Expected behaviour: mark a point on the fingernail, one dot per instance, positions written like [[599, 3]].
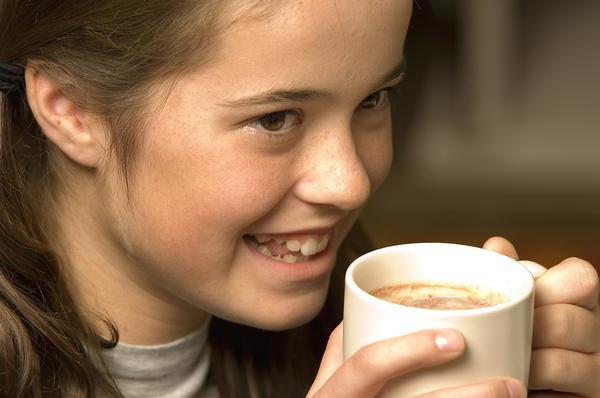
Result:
[[515, 389], [449, 340]]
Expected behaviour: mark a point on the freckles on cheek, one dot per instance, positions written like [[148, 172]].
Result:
[[202, 185], [213, 203], [262, 193]]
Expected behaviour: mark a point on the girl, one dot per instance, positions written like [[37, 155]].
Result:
[[177, 180]]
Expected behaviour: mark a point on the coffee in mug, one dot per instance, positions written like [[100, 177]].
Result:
[[438, 296]]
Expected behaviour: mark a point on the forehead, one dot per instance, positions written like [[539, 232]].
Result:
[[323, 42]]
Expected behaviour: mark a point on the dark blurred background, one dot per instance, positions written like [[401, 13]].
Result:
[[497, 129]]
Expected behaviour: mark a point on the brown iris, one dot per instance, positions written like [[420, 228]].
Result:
[[372, 100], [273, 121]]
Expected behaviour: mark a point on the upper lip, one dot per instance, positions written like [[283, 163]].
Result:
[[307, 231]]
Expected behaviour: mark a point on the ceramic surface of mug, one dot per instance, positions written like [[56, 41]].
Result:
[[498, 336]]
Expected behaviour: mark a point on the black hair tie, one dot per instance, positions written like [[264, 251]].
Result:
[[11, 77]]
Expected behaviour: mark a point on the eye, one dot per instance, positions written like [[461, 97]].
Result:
[[276, 123], [376, 100], [381, 99]]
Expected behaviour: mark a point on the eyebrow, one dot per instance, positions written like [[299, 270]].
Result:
[[283, 96]]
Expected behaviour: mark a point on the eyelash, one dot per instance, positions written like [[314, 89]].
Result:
[[255, 124]]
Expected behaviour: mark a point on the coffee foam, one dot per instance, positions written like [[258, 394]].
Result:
[[439, 296]]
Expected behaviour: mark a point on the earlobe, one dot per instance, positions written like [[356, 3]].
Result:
[[63, 122]]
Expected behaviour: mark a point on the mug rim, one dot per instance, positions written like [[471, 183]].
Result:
[[439, 313]]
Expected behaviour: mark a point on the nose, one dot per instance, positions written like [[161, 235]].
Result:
[[334, 173]]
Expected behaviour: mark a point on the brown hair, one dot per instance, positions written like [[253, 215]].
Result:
[[106, 56]]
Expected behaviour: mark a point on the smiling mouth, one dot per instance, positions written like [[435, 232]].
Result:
[[289, 251]]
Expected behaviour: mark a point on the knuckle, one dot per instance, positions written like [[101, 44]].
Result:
[[558, 367], [562, 323], [364, 360]]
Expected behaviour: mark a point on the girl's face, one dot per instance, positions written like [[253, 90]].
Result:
[[256, 166]]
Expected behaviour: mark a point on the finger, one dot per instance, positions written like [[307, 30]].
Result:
[[332, 359], [534, 268], [564, 370], [574, 281], [508, 388], [566, 326], [500, 245], [365, 373]]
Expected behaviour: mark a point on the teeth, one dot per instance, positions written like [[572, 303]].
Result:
[[290, 258], [309, 247], [262, 238], [265, 250], [302, 250], [323, 244], [293, 245]]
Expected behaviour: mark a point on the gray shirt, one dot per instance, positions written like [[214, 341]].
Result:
[[177, 369]]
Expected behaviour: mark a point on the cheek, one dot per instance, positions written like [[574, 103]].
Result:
[[188, 214], [199, 199]]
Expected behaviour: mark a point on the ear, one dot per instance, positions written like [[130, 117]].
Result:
[[78, 135]]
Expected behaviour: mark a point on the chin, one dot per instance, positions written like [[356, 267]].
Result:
[[289, 321], [286, 314]]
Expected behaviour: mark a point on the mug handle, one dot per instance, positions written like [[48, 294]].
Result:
[[534, 268]]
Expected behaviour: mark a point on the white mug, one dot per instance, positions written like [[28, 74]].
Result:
[[498, 337]]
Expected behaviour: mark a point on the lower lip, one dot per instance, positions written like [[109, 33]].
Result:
[[314, 267]]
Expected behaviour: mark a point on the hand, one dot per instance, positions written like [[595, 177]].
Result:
[[565, 361], [366, 372]]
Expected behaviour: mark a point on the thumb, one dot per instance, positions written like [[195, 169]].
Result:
[[332, 359]]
